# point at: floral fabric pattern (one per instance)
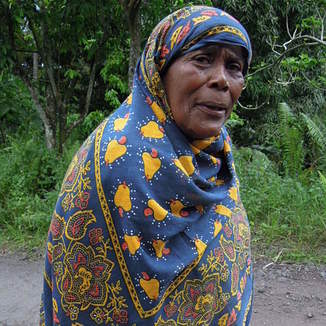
(149, 228)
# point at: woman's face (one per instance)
(202, 87)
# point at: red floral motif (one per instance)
(148, 100)
(232, 319)
(55, 318)
(170, 309)
(85, 277)
(57, 251)
(201, 301)
(121, 316)
(235, 274)
(75, 169)
(228, 248)
(165, 27)
(95, 236)
(227, 231)
(82, 200)
(49, 254)
(164, 51)
(57, 226)
(209, 13)
(219, 254)
(77, 224)
(240, 228)
(72, 176)
(185, 30)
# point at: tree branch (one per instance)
(281, 56)
(249, 108)
(87, 101)
(49, 137)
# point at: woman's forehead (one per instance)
(231, 50)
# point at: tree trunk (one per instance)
(35, 65)
(50, 137)
(133, 18)
(134, 30)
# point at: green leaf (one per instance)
(71, 74)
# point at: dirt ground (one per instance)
(285, 294)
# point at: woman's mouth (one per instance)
(212, 109)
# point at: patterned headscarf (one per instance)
(149, 229)
(187, 30)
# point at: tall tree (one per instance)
(71, 41)
(132, 14)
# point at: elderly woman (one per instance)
(149, 228)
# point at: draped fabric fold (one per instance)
(149, 228)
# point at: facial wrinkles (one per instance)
(222, 61)
(201, 85)
(218, 69)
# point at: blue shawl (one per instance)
(149, 228)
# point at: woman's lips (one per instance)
(212, 109)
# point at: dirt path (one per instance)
(285, 295)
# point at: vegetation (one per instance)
(64, 66)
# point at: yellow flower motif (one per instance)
(129, 99)
(158, 112)
(162, 322)
(223, 320)
(175, 36)
(97, 315)
(50, 247)
(184, 163)
(195, 149)
(233, 193)
(202, 301)
(219, 182)
(203, 143)
(223, 210)
(227, 147)
(238, 306)
(201, 19)
(200, 246)
(74, 311)
(55, 305)
(214, 159)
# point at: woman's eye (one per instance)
(202, 58)
(235, 66)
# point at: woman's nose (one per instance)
(218, 77)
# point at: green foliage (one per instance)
(291, 141)
(234, 121)
(323, 183)
(91, 122)
(30, 179)
(316, 134)
(295, 77)
(16, 112)
(73, 41)
(283, 211)
(111, 96)
(114, 74)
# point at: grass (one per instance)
(30, 178)
(285, 213)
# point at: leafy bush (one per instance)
(284, 211)
(30, 178)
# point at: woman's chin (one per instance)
(204, 133)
